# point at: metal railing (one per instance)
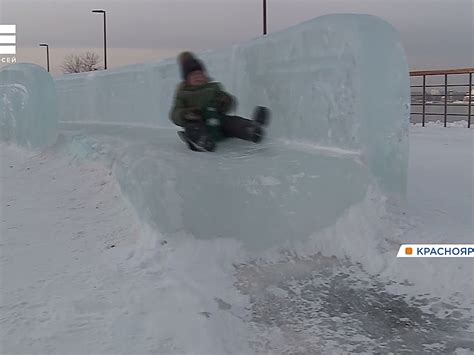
(441, 99)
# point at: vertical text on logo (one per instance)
(7, 39)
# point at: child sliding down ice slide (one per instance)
(201, 107)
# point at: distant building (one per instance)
(451, 96)
(466, 97)
(434, 95)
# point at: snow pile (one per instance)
(28, 112)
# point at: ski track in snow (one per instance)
(80, 275)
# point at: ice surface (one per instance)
(258, 194)
(338, 80)
(28, 110)
(339, 91)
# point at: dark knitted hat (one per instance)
(184, 56)
(191, 65)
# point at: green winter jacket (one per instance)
(201, 97)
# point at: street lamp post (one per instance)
(47, 53)
(264, 17)
(105, 35)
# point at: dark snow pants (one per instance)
(230, 126)
(238, 127)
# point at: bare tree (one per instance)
(79, 63)
(90, 61)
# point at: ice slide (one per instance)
(338, 87)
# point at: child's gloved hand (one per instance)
(224, 102)
(192, 114)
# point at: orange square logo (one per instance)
(408, 251)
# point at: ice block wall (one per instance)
(28, 106)
(338, 87)
(337, 80)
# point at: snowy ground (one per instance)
(80, 275)
(441, 182)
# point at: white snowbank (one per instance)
(80, 274)
(438, 123)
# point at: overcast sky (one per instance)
(435, 33)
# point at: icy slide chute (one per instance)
(28, 109)
(337, 80)
(338, 87)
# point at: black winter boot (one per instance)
(255, 133)
(261, 115)
(198, 138)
